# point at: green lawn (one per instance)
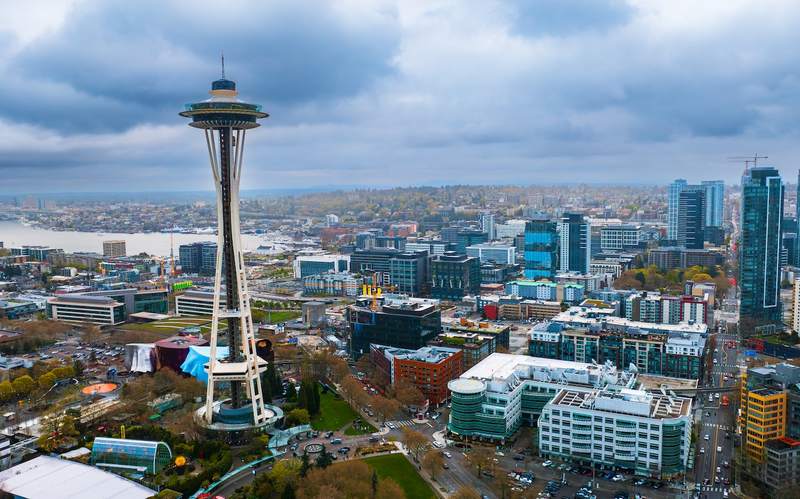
(333, 413)
(167, 326)
(274, 317)
(397, 467)
(364, 429)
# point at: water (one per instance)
(16, 234)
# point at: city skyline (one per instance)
(410, 93)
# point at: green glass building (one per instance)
(130, 456)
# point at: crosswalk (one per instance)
(712, 488)
(402, 422)
(720, 426)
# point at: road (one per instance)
(717, 424)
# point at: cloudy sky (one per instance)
(398, 93)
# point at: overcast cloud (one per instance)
(398, 93)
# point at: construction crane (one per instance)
(748, 160)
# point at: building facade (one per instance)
(648, 434)
(307, 265)
(114, 249)
(760, 308)
(428, 368)
(575, 248)
(100, 310)
(541, 249)
(396, 321)
(494, 398)
(454, 276)
(691, 218)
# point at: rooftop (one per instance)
(428, 354)
(626, 401)
(41, 476)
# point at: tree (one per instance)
(23, 385)
(6, 391)
(288, 492)
(324, 460)
(414, 441)
(285, 472)
(90, 334)
(408, 394)
(385, 407)
(46, 381)
(352, 479)
(297, 417)
(388, 489)
(433, 461)
(480, 458)
(305, 464)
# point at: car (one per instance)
(547, 463)
(620, 495)
(329, 434)
(498, 453)
(716, 395)
(719, 449)
(487, 473)
(706, 437)
(435, 416)
(438, 445)
(656, 485)
(373, 440)
(390, 425)
(445, 466)
(447, 454)
(719, 470)
(702, 450)
(725, 493)
(726, 464)
(519, 458)
(336, 441)
(617, 478)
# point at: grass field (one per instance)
(364, 429)
(168, 326)
(397, 467)
(274, 317)
(333, 414)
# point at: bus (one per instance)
(725, 401)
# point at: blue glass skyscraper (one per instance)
(760, 310)
(541, 249)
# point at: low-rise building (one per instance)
(392, 320)
(101, 310)
(781, 463)
(504, 391)
(474, 346)
(195, 302)
(501, 332)
(429, 368)
(546, 290)
(332, 284)
(646, 433)
(674, 354)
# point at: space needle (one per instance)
(224, 120)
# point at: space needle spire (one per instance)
(224, 120)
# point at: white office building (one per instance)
(505, 254)
(645, 433)
(101, 310)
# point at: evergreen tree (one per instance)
(324, 460)
(305, 464)
(288, 492)
(374, 483)
(316, 399)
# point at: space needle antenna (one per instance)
(222, 57)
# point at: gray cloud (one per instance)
(405, 92)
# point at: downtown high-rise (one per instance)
(575, 245)
(760, 250)
(686, 231)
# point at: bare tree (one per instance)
(433, 461)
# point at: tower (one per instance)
(575, 243)
(759, 251)
(224, 120)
